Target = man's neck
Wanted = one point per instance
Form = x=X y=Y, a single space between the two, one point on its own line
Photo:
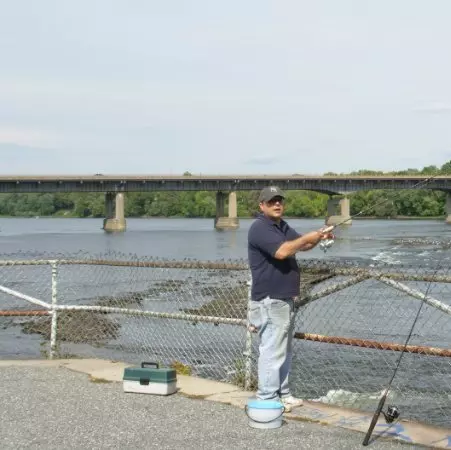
x=274 y=219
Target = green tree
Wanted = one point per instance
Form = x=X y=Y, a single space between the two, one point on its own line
x=430 y=170
x=446 y=168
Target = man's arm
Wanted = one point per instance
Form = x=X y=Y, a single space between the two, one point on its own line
x=307 y=247
x=303 y=243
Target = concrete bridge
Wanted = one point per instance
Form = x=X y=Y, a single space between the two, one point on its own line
x=225 y=186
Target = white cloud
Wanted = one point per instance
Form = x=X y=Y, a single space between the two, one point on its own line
x=262 y=160
x=434 y=108
x=33 y=137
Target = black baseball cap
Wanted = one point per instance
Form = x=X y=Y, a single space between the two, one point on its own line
x=268 y=193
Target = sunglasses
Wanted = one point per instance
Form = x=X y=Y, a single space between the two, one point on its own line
x=275 y=200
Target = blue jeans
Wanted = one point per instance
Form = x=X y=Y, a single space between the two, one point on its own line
x=274 y=320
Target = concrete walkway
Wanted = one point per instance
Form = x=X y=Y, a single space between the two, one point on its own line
x=80 y=404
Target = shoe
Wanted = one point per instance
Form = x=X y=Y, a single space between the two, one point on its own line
x=291 y=402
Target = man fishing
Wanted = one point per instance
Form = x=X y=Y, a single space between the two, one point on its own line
x=272 y=245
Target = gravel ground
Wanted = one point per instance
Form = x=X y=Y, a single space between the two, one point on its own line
x=54 y=408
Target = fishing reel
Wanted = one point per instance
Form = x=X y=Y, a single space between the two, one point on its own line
x=326 y=244
x=391 y=414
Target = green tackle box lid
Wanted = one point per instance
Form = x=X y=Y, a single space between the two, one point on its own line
x=150 y=372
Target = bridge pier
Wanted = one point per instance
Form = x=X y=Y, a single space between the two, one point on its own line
x=448 y=208
x=338 y=210
x=114 y=212
x=230 y=222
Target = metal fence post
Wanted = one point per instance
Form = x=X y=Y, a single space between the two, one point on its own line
x=248 y=349
x=53 y=331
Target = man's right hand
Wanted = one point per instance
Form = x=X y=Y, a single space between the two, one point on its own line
x=303 y=243
x=326 y=232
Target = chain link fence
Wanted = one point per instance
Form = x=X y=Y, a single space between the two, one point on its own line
x=179 y=313
x=352 y=323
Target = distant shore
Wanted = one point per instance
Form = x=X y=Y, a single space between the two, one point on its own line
x=240 y=217
x=401 y=218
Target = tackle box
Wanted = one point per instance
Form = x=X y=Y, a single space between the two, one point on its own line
x=150 y=379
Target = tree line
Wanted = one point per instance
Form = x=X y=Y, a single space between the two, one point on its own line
x=386 y=203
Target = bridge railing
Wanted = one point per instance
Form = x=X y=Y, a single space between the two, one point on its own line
x=352 y=323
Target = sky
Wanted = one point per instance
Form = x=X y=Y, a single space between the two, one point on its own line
x=234 y=87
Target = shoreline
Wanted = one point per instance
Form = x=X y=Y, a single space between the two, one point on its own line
x=239 y=218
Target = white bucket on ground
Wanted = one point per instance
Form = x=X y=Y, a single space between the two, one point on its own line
x=264 y=413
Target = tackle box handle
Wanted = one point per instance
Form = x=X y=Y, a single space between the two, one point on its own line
x=144 y=364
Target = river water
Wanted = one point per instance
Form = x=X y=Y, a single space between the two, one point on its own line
x=196 y=238
x=339 y=374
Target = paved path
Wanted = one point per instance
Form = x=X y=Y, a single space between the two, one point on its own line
x=52 y=407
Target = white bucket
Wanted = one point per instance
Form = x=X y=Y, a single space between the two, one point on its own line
x=264 y=413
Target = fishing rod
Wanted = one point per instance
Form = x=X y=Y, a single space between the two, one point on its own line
x=392 y=411
x=327 y=243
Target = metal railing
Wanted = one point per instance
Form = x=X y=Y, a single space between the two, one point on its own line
x=351 y=325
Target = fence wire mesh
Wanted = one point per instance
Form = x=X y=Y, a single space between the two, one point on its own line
x=353 y=320
x=174 y=313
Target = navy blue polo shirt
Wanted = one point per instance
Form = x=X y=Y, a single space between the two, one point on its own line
x=276 y=278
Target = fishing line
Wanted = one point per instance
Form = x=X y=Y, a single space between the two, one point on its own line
x=393 y=412
x=327 y=243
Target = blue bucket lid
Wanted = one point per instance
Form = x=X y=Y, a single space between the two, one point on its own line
x=264 y=404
